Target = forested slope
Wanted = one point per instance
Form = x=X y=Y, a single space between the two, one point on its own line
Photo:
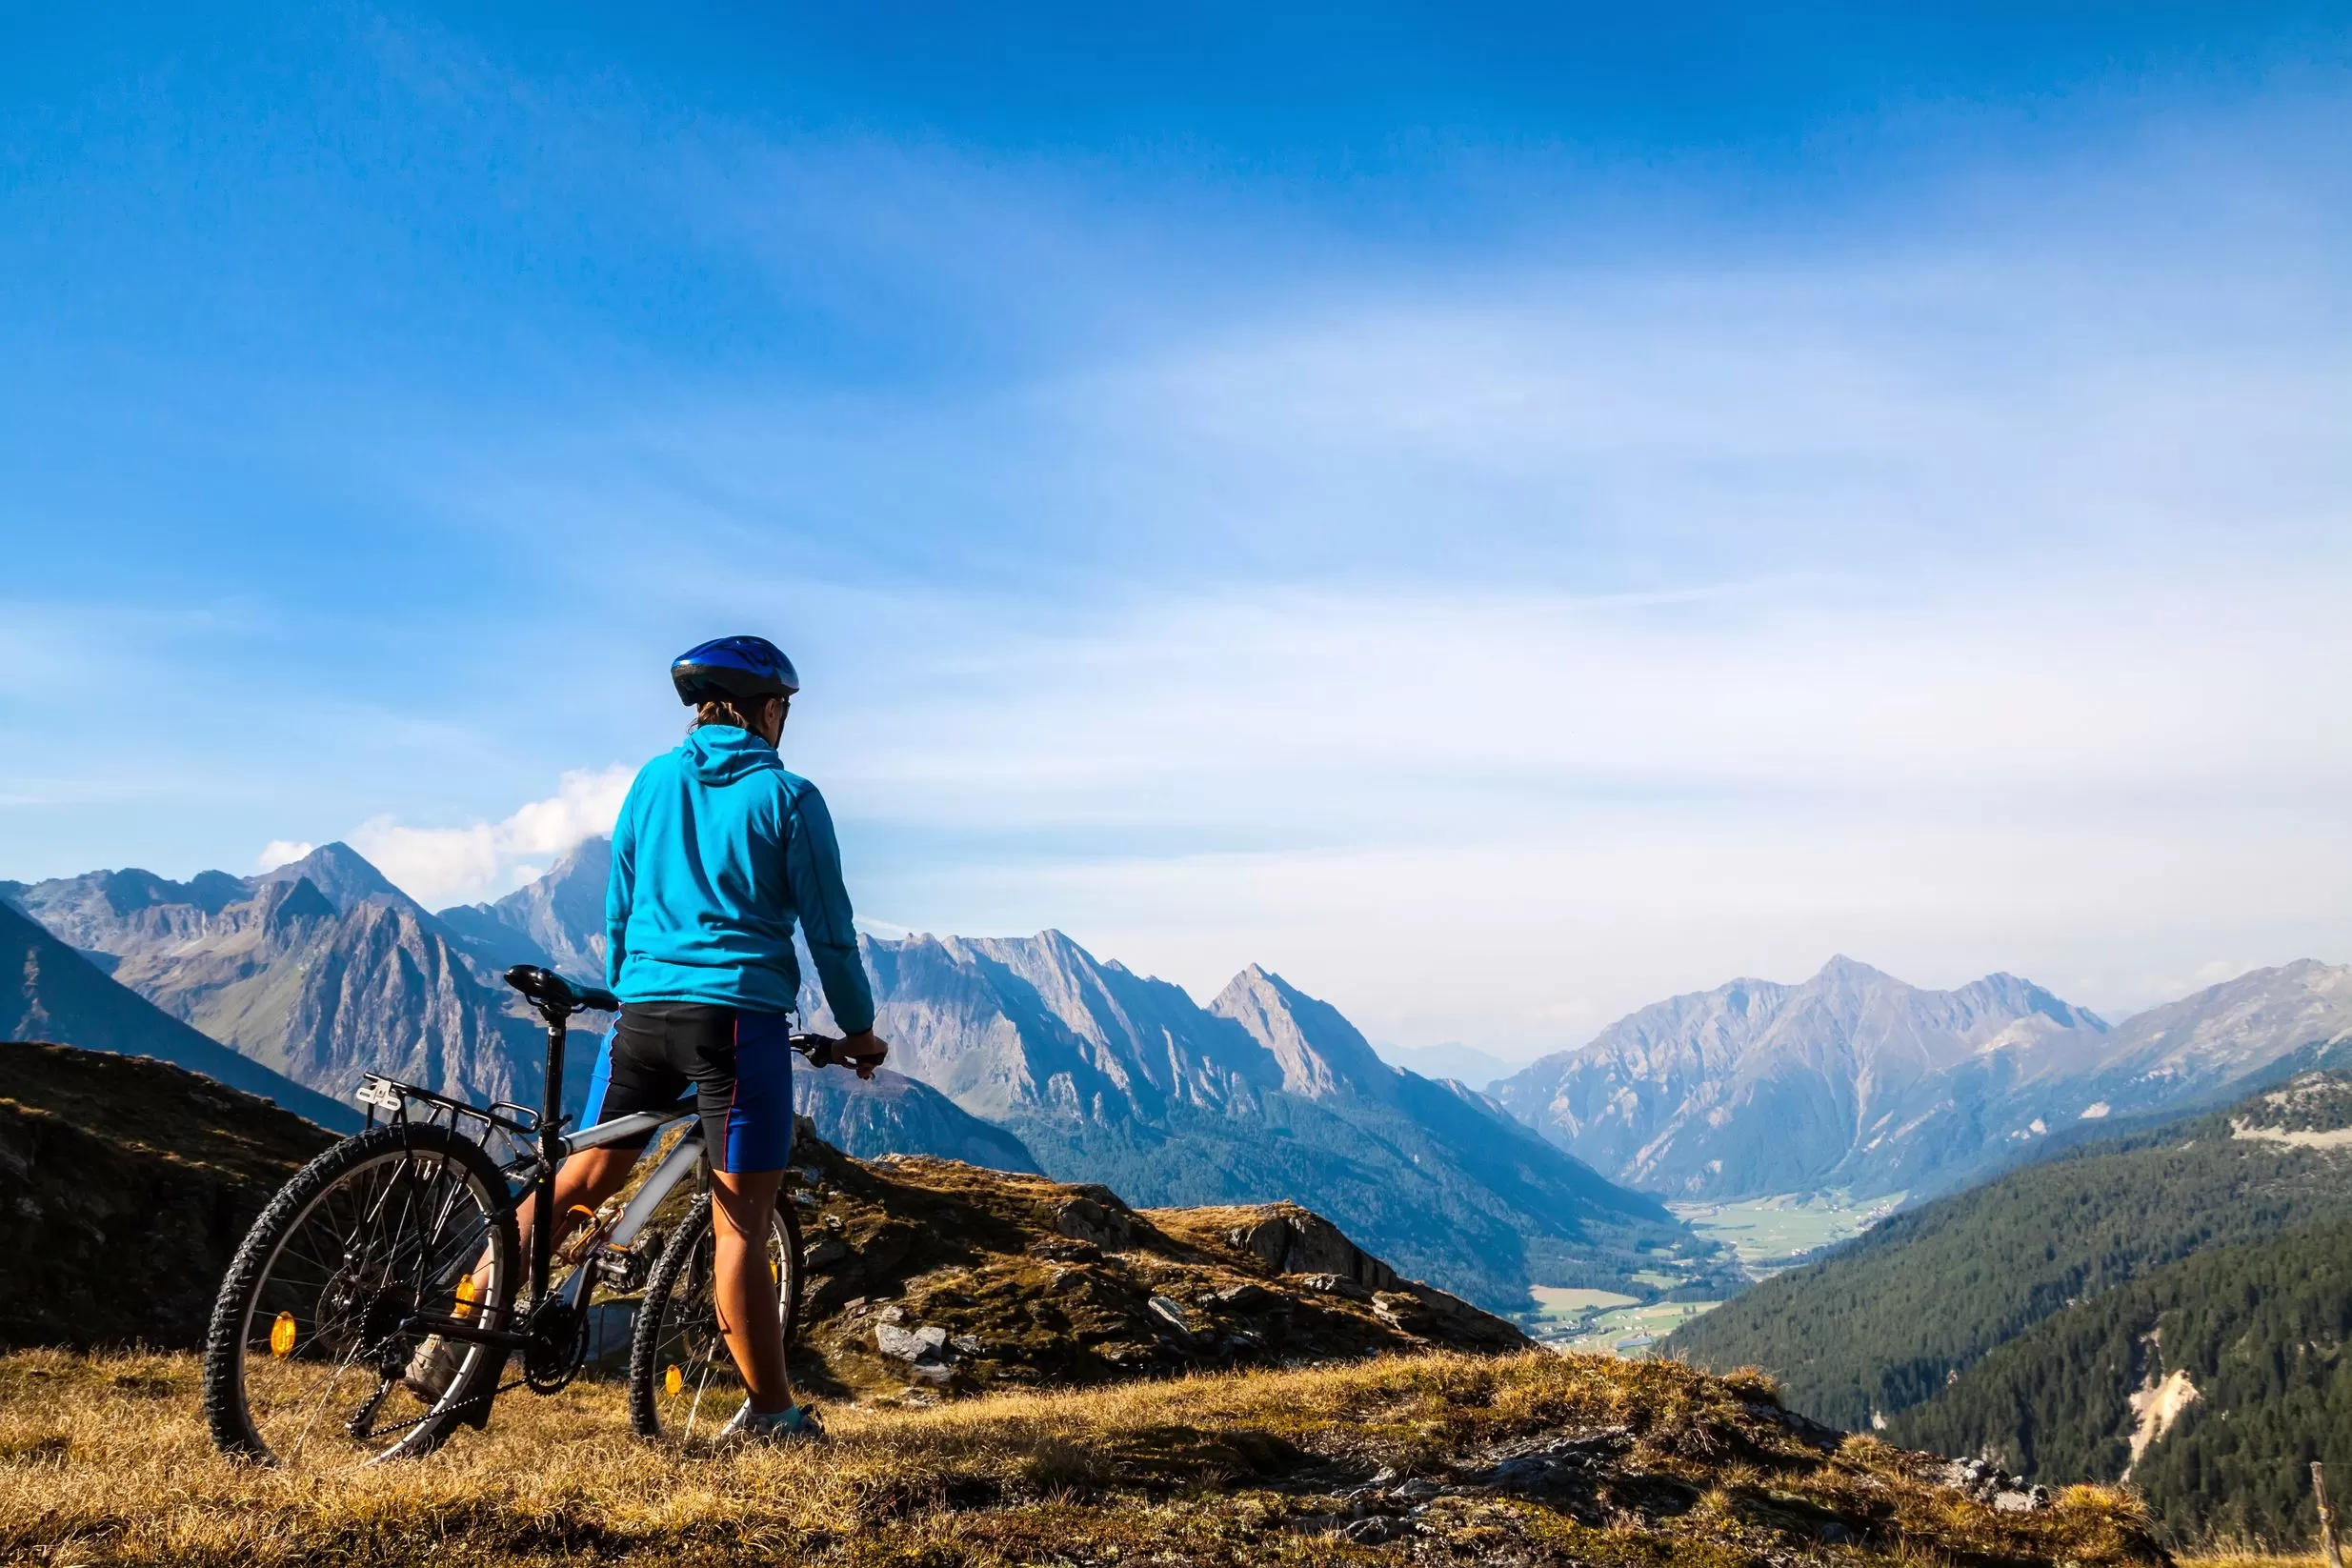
x=1887 y=1322
x=2229 y=1367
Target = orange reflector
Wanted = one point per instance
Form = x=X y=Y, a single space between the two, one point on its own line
x=465 y=1298
x=282 y=1335
x=775 y=1272
x=673 y=1379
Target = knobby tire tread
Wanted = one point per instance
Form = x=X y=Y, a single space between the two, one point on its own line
x=645 y=1337
x=224 y=1407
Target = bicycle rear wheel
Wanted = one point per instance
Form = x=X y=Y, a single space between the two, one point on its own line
x=303 y=1363
x=681 y=1379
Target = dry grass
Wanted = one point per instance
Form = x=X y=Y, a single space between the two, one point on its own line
x=103 y=1461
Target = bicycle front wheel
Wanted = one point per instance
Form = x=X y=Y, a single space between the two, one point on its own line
x=311 y=1349
x=681 y=1377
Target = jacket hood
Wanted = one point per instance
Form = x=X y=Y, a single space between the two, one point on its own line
x=720 y=754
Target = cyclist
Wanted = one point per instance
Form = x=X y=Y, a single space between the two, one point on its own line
x=717 y=853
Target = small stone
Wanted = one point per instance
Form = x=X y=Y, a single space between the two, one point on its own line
x=1419 y=1489
x=1372 y=1531
x=1102 y=1219
x=969 y=1343
x=1242 y=1298
x=1066 y=1251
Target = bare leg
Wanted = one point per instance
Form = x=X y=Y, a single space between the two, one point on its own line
x=742 y=1214
x=585 y=1180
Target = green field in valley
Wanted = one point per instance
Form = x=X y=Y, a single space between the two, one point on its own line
x=1767 y=1234
x=1622 y=1327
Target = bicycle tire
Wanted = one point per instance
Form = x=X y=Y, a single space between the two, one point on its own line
x=357 y=1295
x=677 y=1306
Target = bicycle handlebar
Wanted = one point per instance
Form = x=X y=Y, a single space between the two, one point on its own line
x=824 y=1051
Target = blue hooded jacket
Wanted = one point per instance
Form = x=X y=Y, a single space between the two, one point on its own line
x=717 y=851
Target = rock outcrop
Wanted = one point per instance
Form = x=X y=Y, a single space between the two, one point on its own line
x=927 y=1276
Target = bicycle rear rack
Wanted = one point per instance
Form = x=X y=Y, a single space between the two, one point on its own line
x=407 y=1102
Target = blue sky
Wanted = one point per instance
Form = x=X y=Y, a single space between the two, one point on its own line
x=1498 y=515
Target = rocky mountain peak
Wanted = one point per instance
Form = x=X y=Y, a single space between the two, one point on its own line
x=340 y=871
x=1321 y=1053
x=1757 y=1087
x=282 y=906
x=556 y=920
x=1841 y=970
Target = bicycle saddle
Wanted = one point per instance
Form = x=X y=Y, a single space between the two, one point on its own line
x=552 y=992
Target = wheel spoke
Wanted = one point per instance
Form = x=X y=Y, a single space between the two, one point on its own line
x=377 y=1244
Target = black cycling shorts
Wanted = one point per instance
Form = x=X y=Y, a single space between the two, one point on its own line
x=739 y=1063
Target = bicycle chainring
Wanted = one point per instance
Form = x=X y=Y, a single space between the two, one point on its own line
x=558 y=1332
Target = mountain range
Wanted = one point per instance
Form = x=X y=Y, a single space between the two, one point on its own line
x=1855 y=1079
x=1030 y=1053
x=318 y=969
x=1115 y=1078
x=54 y=994
x=1027 y=1054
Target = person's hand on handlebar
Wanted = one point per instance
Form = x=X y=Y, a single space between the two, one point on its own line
x=863 y=1050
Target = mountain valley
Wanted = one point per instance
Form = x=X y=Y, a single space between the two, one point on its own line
x=2168 y=1306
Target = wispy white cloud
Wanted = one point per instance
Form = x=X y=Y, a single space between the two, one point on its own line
x=281 y=851
x=441 y=866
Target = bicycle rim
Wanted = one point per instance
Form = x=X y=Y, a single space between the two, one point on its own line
x=693 y=1383
x=322 y=1354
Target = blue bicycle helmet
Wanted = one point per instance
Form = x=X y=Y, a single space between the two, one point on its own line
x=743 y=667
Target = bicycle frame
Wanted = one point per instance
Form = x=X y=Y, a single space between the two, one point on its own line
x=542 y=1132
x=548 y=1147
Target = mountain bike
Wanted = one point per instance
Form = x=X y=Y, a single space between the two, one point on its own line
x=406 y=1230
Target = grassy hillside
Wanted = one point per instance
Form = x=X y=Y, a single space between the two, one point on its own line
x=2258 y=1332
x=1526 y=1460
x=125 y=1185
x=1887 y=1322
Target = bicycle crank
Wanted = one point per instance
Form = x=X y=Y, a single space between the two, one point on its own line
x=557 y=1344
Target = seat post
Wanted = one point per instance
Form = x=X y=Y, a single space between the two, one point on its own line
x=551 y=1133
